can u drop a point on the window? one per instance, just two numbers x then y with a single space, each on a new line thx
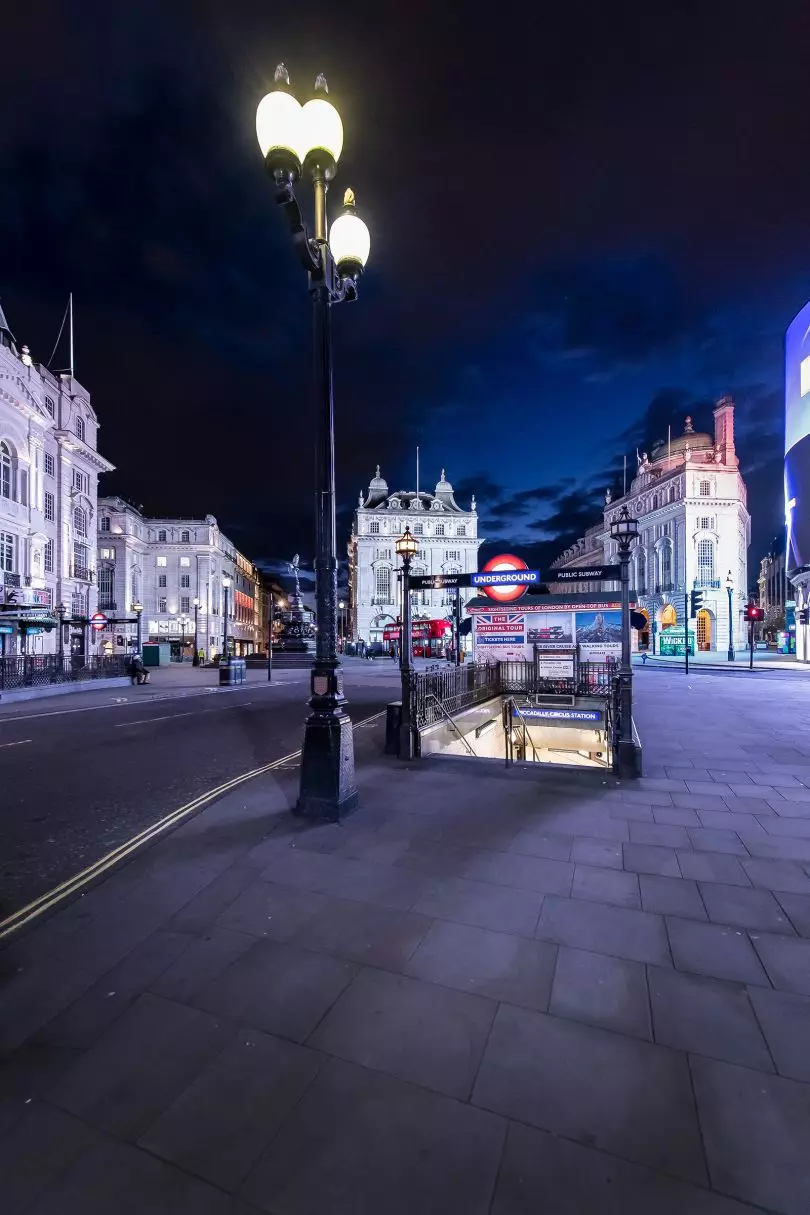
22 486
48 556
161 537
185 537
80 481
80 521
419 529
8 545
49 405
81 566
50 507
382 554
78 604
161 579
706 522
106 587
107 554
80 429
705 489
185 561
49 464
666 564
439 529
6 478
452 556
105 523
162 603
384 584
185 580
461 530
185 603
705 555
161 561
374 527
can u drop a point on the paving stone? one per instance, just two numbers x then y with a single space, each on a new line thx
206 958
482 905
618 931
775 779
798 793
365 1143
632 812
784 807
676 816
787 876
749 805
755 1129
709 949
533 842
601 990
671 896
606 886
522 872
787 961
597 852
417 1031
541 1070
686 772
785 1022
201 911
797 907
706 1017
42 1144
744 825
486 963
267 909
649 858
541 1172
660 784
699 801
744 908
708 788
432 858
139 1066
731 773
793 828
114 1176
219 1126
669 836
376 936
278 987
32 995
707 840
105 938
712 867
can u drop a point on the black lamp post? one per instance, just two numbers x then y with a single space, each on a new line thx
624 530
62 610
137 608
309 139
226 586
730 589
195 661
270 632
406 547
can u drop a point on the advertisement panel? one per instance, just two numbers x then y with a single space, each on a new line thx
550 630
797 439
599 635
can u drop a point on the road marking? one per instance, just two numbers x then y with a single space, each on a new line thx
142 721
117 702
52 898
21 743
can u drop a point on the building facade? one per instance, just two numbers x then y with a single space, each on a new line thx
797 474
448 543
167 564
694 530
49 470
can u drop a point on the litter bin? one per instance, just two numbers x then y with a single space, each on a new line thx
393 720
232 672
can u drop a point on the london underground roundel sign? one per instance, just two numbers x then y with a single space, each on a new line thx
508 592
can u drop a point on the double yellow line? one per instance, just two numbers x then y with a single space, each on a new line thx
72 885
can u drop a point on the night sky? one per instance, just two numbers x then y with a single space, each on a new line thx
587 221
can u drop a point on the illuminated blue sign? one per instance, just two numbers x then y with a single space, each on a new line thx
578 715
505 578
797 439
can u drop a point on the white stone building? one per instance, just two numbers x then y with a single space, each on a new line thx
166 564
49 469
448 543
694 530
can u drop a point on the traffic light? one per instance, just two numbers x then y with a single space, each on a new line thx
696 603
753 612
804 615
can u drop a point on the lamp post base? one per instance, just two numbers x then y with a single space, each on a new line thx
730 654
407 743
328 789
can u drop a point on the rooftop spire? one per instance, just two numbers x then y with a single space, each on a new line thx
6 336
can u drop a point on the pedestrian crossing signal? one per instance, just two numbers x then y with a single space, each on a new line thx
696 603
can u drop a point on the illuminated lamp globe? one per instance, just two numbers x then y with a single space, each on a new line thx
406 546
624 528
280 128
349 240
322 131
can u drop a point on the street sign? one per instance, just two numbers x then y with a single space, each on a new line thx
505 578
437 582
98 621
591 573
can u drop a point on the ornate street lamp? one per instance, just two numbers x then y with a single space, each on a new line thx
307 140
624 530
195 661
730 589
137 608
406 547
226 586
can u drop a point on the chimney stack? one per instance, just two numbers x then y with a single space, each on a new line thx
724 431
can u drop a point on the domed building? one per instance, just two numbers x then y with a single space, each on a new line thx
447 535
694 530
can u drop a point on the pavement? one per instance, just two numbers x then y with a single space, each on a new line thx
485 993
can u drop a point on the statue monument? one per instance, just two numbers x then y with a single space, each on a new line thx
295 642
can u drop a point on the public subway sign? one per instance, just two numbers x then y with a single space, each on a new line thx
593 573
437 582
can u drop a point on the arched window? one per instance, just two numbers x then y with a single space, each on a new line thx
185 537
6 471
80 428
80 521
666 565
705 560
641 571
161 537
383 583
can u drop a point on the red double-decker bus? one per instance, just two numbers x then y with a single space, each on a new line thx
428 637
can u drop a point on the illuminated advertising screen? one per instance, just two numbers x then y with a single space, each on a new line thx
797 439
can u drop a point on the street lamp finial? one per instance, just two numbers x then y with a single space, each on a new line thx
281 74
348 198
320 83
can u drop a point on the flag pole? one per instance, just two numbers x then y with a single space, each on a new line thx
417 472
71 334
624 488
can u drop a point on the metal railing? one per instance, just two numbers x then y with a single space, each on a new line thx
449 690
41 670
525 676
515 723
